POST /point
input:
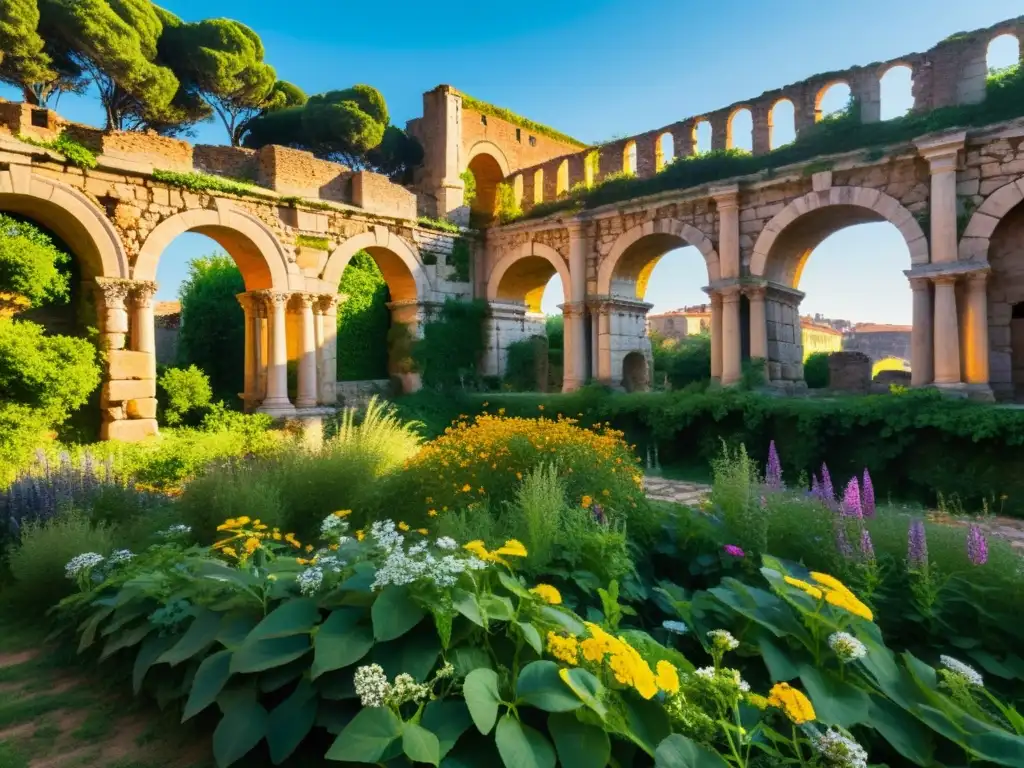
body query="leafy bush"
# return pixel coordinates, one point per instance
(75, 152)
(212, 335)
(363, 321)
(30, 263)
(449, 352)
(194, 181)
(186, 392)
(682, 361)
(22, 429)
(37, 563)
(816, 370)
(522, 361)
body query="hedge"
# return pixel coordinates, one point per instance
(917, 444)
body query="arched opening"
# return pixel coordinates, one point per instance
(1003, 52)
(1006, 307)
(664, 151)
(896, 92)
(562, 179)
(629, 158)
(843, 266)
(517, 190)
(538, 186)
(702, 137)
(635, 373)
(833, 101)
(487, 175)
(526, 336)
(781, 124)
(740, 131)
(591, 166)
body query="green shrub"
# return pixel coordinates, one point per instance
(682, 362)
(37, 564)
(521, 364)
(30, 263)
(75, 152)
(816, 370)
(22, 429)
(449, 352)
(363, 321)
(185, 393)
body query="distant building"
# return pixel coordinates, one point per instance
(819, 337)
(167, 316)
(879, 342)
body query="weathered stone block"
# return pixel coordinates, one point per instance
(127, 364)
(141, 408)
(129, 430)
(119, 391)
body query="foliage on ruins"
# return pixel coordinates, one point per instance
(185, 395)
(841, 133)
(74, 152)
(442, 225)
(448, 354)
(483, 108)
(363, 321)
(31, 264)
(460, 259)
(816, 370)
(212, 331)
(313, 241)
(681, 362)
(195, 181)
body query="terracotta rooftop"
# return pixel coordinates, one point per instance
(165, 308)
(819, 327)
(698, 310)
(879, 328)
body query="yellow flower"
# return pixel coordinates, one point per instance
(229, 523)
(343, 513)
(422, 531)
(830, 582)
(548, 594)
(540, 407)
(403, 526)
(565, 649)
(850, 604)
(586, 502)
(512, 548)
(276, 536)
(251, 545)
(467, 488)
(290, 538)
(229, 551)
(792, 702)
(668, 677)
(519, 475)
(605, 492)
(810, 589)
(243, 520)
(432, 513)
(756, 700)
(360, 535)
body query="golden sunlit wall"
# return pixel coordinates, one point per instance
(816, 340)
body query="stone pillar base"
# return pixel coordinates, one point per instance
(981, 392)
(278, 408)
(128, 430)
(953, 389)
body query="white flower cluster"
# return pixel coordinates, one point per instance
(724, 675)
(119, 556)
(839, 751)
(847, 647)
(403, 566)
(708, 673)
(176, 530)
(405, 690)
(79, 563)
(967, 672)
(723, 639)
(371, 685)
(329, 562)
(310, 580)
(334, 527)
(447, 542)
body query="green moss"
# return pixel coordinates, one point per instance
(363, 321)
(75, 153)
(459, 260)
(836, 134)
(311, 241)
(441, 225)
(468, 102)
(204, 182)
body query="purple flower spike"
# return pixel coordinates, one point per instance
(599, 517)
(867, 495)
(828, 494)
(917, 545)
(867, 549)
(977, 547)
(842, 542)
(732, 549)
(815, 486)
(851, 499)
(773, 475)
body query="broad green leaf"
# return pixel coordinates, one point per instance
(836, 702)
(512, 584)
(147, 657)
(465, 659)
(448, 719)
(780, 666)
(277, 678)
(761, 606)
(291, 721)
(905, 733)
(532, 636)
(646, 720)
(126, 639)
(520, 746)
(566, 621)
(234, 630)
(579, 745)
(680, 752)
(465, 603)
(540, 686)
(210, 678)
(240, 729)
(90, 625)
(201, 634)
(420, 745)
(497, 607)
(588, 688)
(341, 640)
(482, 698)
(367, 737)
(294, 617)
(265, 654)
(415, 654)
(394, 613)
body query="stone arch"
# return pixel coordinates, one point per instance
(524, 274)
(70, 215)
(975, 242)
(490, 168)
(805, 222)
(629, 158)
(775, 117)
(744, 113)
(823, 90)
(398, 263)
(661, 235)
(492, 149)
(664, 150)
(260, 257)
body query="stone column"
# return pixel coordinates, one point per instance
(307, 391)
(276, 402)
(947, 335)
(941, 153)
(921, 349)
(143, 328)
(248, 304)
(727, 201)
(758, 323)
(716, 335)
(111, 312)
(976, 332)
(731, 349)
(575, 313)
(328, 345)
(261, 346)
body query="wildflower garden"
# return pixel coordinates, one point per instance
(505, 594)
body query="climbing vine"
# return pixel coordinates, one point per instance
(363, 321)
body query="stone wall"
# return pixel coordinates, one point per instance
(377, 194)
(233, 162)
(879, 341)
(522, 147)
(785, 335)
(1006, 308)
(26, 120)
(357, 394)
(849, 372)
(144, 148)
(295, 172)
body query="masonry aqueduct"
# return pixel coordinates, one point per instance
(956, 197)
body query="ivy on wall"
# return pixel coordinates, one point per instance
(363, 321)
(483, 108)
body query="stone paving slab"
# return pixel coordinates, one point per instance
(692, 494)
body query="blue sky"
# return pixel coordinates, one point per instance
(601, 68)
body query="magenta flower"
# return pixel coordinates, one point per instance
(917, 545)
(867, 549)
(773, 474)
(828, 494)
(977, 547)
(732, 549)
(867, 493)
(851, 499)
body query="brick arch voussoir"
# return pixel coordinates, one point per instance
(974, 243)
(524, 251)
(378, 237)
(688, 233)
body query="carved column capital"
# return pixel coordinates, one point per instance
(919, 284)
(112, 291)
(978, 280)
(727, 197)
(326, 304)
(304, 300)
(755, 292)
(945, 280)
(574, 309)
(142, 292)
